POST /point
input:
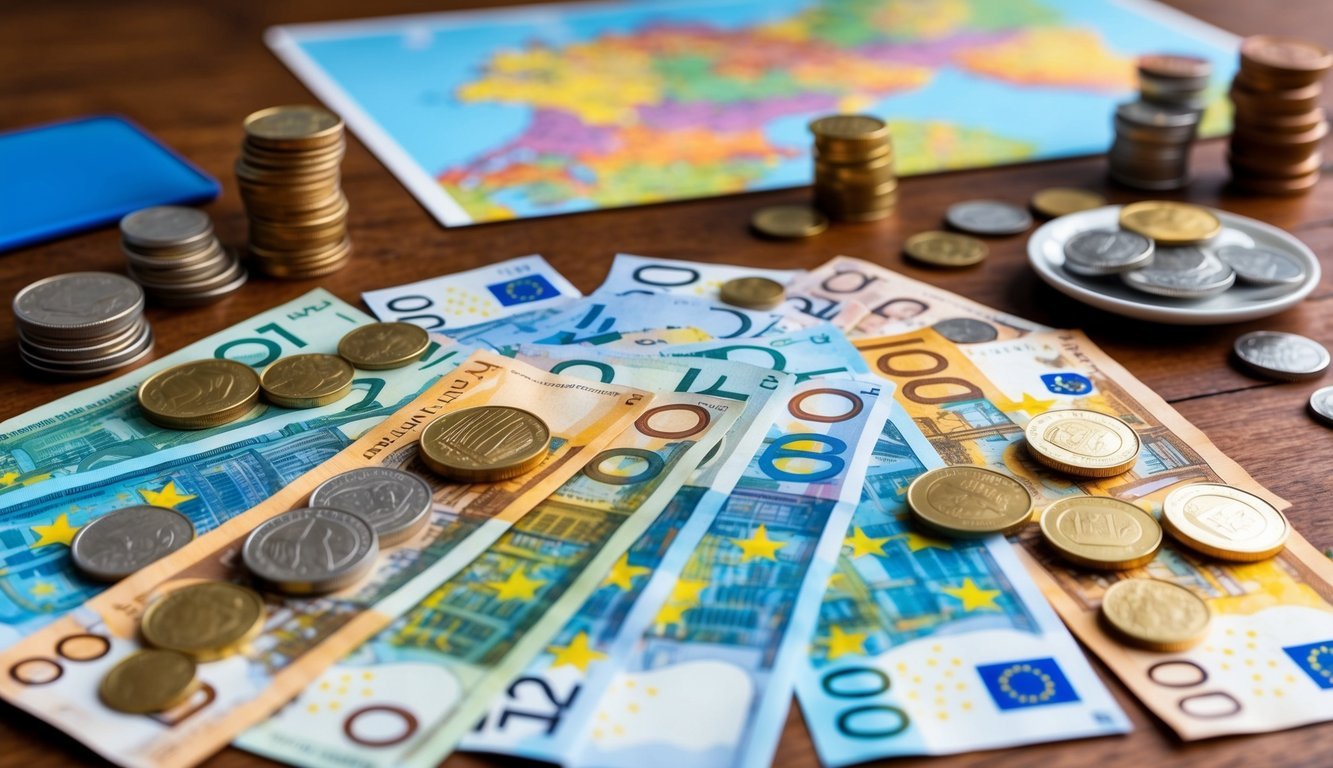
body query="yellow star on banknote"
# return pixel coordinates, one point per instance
(516, 587)
(8, 478)
(1032, 405)
(844, 643)
(759, 546)
(863, 545)
(917, 542)
(672, 613)
(622, 574)
(167, 497)
(58, 532)
(43, 589)
(576, 654)
(687, 591)
(974, 598)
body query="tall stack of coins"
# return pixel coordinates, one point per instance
(854, 178)
(174, 255)
(289, 178)
(1279, 124)
(81, 323)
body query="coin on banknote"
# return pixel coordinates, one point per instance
(207, 620)
(307, 381)
(148, 681)
(396, 503)
(1262, 266)
(1321, 405)
(1182, 272)
(988, 217)
(119, 543)
(1283, 356)
(945, 249)
(789, 222)
(969, 502)
(1155, 615)
(485, 444)
(1224, 522)
(1170, 223)
(199, 394)
(965, 330)
(752, 292)
(382, 346)
(311, 550)
(1062, 201)
(1101, 532)
(1082, 442)
(1107, 252)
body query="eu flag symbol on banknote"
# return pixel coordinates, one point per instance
(1067, 383)
(1315, 660)
(521, 290)
(1029, 683)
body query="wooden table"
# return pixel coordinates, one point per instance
(189, 72)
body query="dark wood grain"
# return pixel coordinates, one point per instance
(190, 71)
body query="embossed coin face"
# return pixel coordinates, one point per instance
(1107, 252)
(199, 394)
(307, 381)
(1081, 442)
(1283, 356)
(119, 543)
(1224, 522)
(1155, 615)
(78, 305)
(862, 127)
(965, 330)
(1060, 201)
(788, 222)
(148, 681)
(396, 503)
(312, 550)
(1262, 266)
(1321, 405)
(382, 346)
(752, 292)
(1101, 532)
(166, 225)
(1170, 223)
(206, 621)
(988, 217)
(945, 249)
(485, 444)
(293, 126)
(1183, 273)
(969, 502)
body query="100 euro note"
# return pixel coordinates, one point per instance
(436, 669)
(935, 646)
(302, 636)
(1260, 666)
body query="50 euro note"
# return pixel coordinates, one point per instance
(302, 636)
(1260, 666)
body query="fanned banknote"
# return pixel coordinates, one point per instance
(630, 274)
(303, 636)
(819, 351)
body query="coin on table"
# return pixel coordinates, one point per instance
(78, 305)
(969, 502)
(988, 217)
(1183, 273)
(1062, 201)
(396, 503)
(1262, 266)
(1224, 522)
(311, 550)
(1321, 405)
(307, 381)
(485, 444)
(945, 249)
(167, 226)
(382, 346)
(1101, 532)
(119, 543)
(789, 221)
(293, 127)
(752, 292)
(1170, 223)
(148, 681)
(1082, 442)
(206, 621)
(1099, 252)
(965, 330)
(1155, 615)
(1282, 356)
(199, 394)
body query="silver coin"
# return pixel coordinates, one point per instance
(1321, 405)
(78, 304)
(1107, 252)
(1262, 266)
(311, 550)
(988, 217)
(196, 298)
(1284, 356)
(1145, 114)
(166, 225)
(1184, 273)
(396, 503)
(965, 330)
(138, 349)
(120, 543)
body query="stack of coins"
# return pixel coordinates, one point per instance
(82, 323)
(289, 178)
(1278, 124)
(174, 255)
(1174, 81)
(1152, 145)
(854, 178)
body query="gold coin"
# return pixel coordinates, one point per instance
(1169, 223)
(148, 681)
(381, 346)
(969, 502)
(1101, 532)
(789, 221)
(199, 394)
(753, 292)
(945, 249)
(485, 444)
(206, 621)
(1224, 522)
(1084, 443)
(307, 381)
(860, 128)
(1062, 201)
(1155, 615)
(293, 126)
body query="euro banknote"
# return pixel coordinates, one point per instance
(819, 351)
(630, 275)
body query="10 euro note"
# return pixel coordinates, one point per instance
(302, 636)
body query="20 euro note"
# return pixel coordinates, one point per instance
(935, 646)
(1260, 667)
(437, 668)
(302, 636)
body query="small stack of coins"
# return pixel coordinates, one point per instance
(174, 255)
(1153, 135)
(854, 178)
(289, 178)
(1169, 80)
(81, 324)
(1278, 124)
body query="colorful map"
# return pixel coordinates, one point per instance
(540, 110)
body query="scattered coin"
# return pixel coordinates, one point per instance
(199, 394)
(382, 346)
(1183, 273)
(312, 550)
(1282, 356)
(148, 681)
(1262, 266)
(397, 504)
(1061, 201)
(1100, 532)
(1224, 522)
(969, 502)
(965, 330)
(81, 323)
(945, 249)
(207, 620)
(1170, 223)
(1155, 615)
(307, 381)
(753, 292)
(1082, 442)
(1321, 405)
(119, 543)
(988, 217)
(1099, 252)
(788, 222)
(485, 444)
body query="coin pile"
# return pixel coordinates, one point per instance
(1152, 143)
(289, 178)
(81, 323)
(1279, 124)
(1172, 80)
(854, 178)
(174, 255)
